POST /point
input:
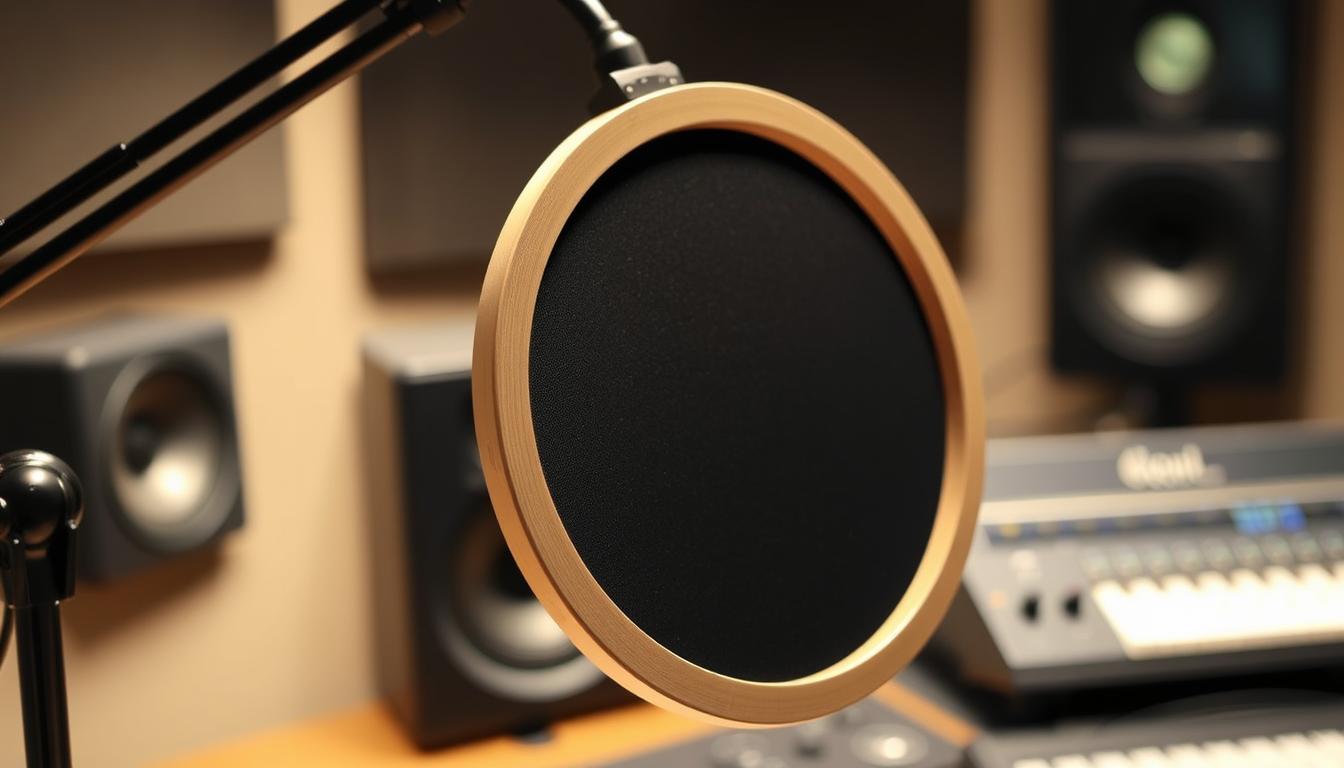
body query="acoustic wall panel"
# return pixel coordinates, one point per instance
(453, 127)
(81, 76)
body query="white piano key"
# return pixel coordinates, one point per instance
(1335, 599)
(1315, 576)
(1302, 752)
(1278, 576)
(1228, 754)
(1191, 622)
(1188, 756)
(1207, 612)
(1150, 757)
(1264, 753)
(1228, 621)
(1071, 761)
(1252, 599)
(1296, 618)
(1330, 742)
(1322, 601)
(1110, 597)
(1032, 763)
(1154, 624)
(1323, 592)
(1111, 760)
(1114, 603)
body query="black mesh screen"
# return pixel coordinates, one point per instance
(737, 405)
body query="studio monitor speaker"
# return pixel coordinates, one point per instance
(464, 648)
(141, 407)
(1171, 196)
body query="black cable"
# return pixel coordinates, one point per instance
(614, 47)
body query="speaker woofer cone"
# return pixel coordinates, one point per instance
(1166, 300)
(170, 453)
(1167, 259)
(494, 605)
(500, 635)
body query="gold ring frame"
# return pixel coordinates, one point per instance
(527, 514)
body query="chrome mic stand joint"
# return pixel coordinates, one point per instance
(41, 506)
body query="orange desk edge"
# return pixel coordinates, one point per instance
(370, 737)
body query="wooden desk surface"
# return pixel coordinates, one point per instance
(370, 737)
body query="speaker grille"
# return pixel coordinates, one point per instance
(719, 310)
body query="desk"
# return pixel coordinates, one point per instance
(370, 737)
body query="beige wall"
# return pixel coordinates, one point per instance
(1322, 376)
(277, 626)
(1005, 268)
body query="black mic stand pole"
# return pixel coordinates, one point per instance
(40, 506)
(40, 510)
(40, 499)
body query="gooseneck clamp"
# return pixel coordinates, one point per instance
(40, 510)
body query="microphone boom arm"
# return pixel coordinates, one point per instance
(403, 20)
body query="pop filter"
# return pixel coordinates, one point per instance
(727, 405)
(723, 384)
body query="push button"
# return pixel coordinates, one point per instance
(1031, 607)
(1073, 605)
(889, 744)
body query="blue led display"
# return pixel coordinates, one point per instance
(1291, 518)
(1255, 519)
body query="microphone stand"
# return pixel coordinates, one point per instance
(40, 510)
(40, 498)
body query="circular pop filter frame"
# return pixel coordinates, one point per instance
(527, 513)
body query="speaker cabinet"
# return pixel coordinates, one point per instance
(464, 649)
(141, 407)
(1171, 195)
